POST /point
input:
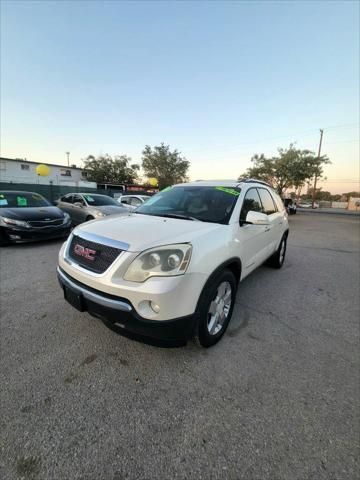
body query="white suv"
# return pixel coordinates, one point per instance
(170, 270)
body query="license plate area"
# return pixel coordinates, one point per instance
(74, 298)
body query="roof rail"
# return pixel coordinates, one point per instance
(254, 180)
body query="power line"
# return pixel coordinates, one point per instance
(344, 125)
(342, 141)
(296, 138)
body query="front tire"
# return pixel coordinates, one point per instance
(277, 260)
(215, 309)
(4, 241)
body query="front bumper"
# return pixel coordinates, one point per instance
(119, 314)
(15, 234)
(177, 296)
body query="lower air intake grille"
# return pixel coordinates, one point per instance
(93, 256)
(46, 223)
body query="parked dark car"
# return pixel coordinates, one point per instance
(83, 207)
(27, 216)
(290, 205)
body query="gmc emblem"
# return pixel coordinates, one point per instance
(85, 252)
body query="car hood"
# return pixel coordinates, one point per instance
(32, 213)
(111, 209)
(141, 232)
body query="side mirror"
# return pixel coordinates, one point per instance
(78, 204)
(257, 218)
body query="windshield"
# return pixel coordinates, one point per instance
(22, 200)
(207, 204)
(100, 200)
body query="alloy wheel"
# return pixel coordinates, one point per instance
(219, 308)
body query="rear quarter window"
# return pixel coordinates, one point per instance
(278, 202)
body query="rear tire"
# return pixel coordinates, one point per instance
(215, 309)
(277, 260)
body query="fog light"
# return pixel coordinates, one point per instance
(14, 237)
(155, 307)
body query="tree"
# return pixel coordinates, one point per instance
(335, 198)
(167, 166)
(351, 194)
(291, 168)
(323, 195)
(105, 169)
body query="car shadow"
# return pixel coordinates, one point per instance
(34, 244)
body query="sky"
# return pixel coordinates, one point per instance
(219, 81)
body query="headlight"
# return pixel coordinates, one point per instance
(166, 261)
(99, 214)
(66, 217)
(11, 221)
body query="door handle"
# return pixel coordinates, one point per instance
(267, 229)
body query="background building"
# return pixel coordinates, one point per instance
(19, 174)
(24, 171)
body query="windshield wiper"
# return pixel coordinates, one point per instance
(176, 215)
(141, 213)
(170, 215)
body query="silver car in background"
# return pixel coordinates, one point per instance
(132, 201)
(83, 207)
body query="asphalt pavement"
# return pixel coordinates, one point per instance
(332, 211)
(277, 398)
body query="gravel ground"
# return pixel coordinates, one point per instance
(277, 398)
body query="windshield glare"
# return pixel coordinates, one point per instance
(22, 200)
(207, 204)
(99, 200)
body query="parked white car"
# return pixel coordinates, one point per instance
(132, 201)
(308, 205)
(170, 270)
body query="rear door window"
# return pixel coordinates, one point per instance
(78, 199)
(135, 202)
(268, 204)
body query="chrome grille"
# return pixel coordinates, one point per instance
(46, 223)
(93, 256)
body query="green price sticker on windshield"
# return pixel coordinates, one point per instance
(230, 191)
(21, 201)
(166, 189)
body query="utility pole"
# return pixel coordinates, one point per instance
(315, 178)
(68, 155)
